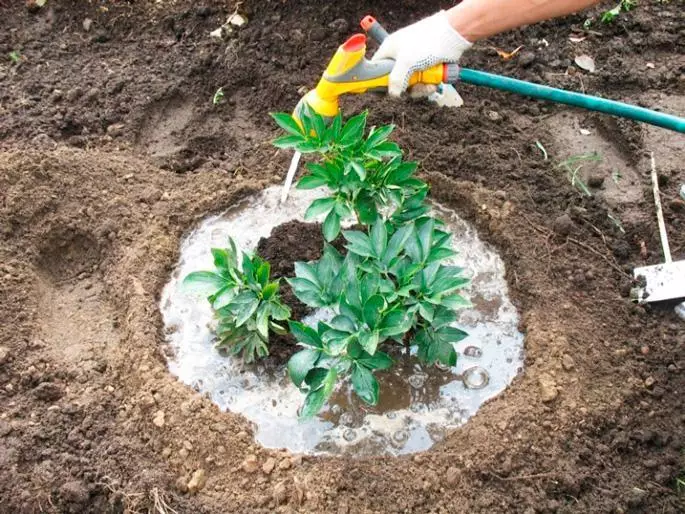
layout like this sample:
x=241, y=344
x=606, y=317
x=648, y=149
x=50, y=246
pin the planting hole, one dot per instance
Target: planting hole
x=418, y=403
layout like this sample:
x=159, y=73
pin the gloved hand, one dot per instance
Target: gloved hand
x=420, y=46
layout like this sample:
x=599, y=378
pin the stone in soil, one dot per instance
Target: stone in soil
x=197, y=481
x=548, y=388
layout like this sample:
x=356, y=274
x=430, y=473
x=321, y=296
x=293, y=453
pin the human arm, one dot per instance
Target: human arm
x=480, y=19
x=446, y=35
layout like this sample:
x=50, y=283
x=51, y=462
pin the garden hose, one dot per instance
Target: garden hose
x=453, y=73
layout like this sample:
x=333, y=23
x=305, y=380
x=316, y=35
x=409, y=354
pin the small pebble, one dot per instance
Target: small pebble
x=158, y=419
x=250, y=464
x=198, y=481
x=269, y=465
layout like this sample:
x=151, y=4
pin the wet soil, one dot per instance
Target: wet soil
x=111, y=149
x=289, y=243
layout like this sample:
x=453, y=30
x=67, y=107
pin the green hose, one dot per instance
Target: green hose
x=593, y=103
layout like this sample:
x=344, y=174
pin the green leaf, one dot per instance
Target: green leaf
x=427, y=311
x=223, y=296
x=221, y=259
x=378, y=360
x=369, y=341
x=425, y=237
x=443, y=317
x=269, y=290
x=331, y=226
x=316, y=398
x=369, y=286
x=455, y=301
x=205, y=277
x=306, y=271
x=365, y=385
x=385, y=150
x=286, y=142
x=394, y=323
x=439, y=254
x=320, y=206
x=263, y=272
x=365, y=205
x=451, y=334
x=262, y=321
x=349, y=310
x=359, y=243
x=305, y=335
x=333, y=132
x=353, y=130
x=401, y=173
x=358, y=169
x=310, y=182
x=243, y=306
x=278, y=311
x=373, y=311
x=378, y=135
x=300, y=364
x=287, y=123
x=379, y=238
x=396, y=243
x=344, y=324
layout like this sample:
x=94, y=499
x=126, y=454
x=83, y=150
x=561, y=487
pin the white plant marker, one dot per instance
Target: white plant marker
x=289, y=177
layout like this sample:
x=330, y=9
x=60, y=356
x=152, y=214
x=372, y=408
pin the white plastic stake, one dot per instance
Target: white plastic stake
x=289, y=177
x=660, y=215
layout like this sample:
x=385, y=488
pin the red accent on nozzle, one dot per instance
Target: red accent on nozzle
x=367, y=22
x=444, y=73
x=355, y=43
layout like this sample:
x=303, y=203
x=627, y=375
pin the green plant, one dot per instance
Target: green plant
x=623, y=6
x=245, y=301
x=15, y=56
x=573, y=165
x=391, y=286
x=365, y=174
x=218, y=96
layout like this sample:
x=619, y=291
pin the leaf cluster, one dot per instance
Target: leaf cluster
x=245, y=301
x=365, y=173
x=391, y=286
x=623, y=6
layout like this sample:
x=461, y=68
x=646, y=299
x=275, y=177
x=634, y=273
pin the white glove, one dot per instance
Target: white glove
x=420, y=46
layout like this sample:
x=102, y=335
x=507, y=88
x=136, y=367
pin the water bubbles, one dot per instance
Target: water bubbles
x=476, y=378
x=419, y=404
x=346, y=419
x=418, y=408
x=400, y=437
x=417, y=380
x=473, y=351
x=349, y=435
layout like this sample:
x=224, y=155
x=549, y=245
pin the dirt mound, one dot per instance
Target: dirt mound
x=98, y=129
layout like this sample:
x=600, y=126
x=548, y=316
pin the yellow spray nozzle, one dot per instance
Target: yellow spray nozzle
x=350, y=72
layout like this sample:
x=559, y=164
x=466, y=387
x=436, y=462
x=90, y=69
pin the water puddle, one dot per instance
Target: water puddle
x=418, y=404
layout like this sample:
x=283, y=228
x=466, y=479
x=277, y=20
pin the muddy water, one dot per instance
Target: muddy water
x=418, y=404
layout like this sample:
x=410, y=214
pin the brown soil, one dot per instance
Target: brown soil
x=98, y=131
x=288, y=243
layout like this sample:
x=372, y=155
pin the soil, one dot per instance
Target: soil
x=111, y=150
x=289, y=243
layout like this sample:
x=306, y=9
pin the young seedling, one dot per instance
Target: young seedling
x=218, y=96
x=15, y=56
x=391, y=287
x=573, y=165
x=623, y=6
x=245, y=301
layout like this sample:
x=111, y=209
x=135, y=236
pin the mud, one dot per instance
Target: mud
x=111, y=150
x=418, y=404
